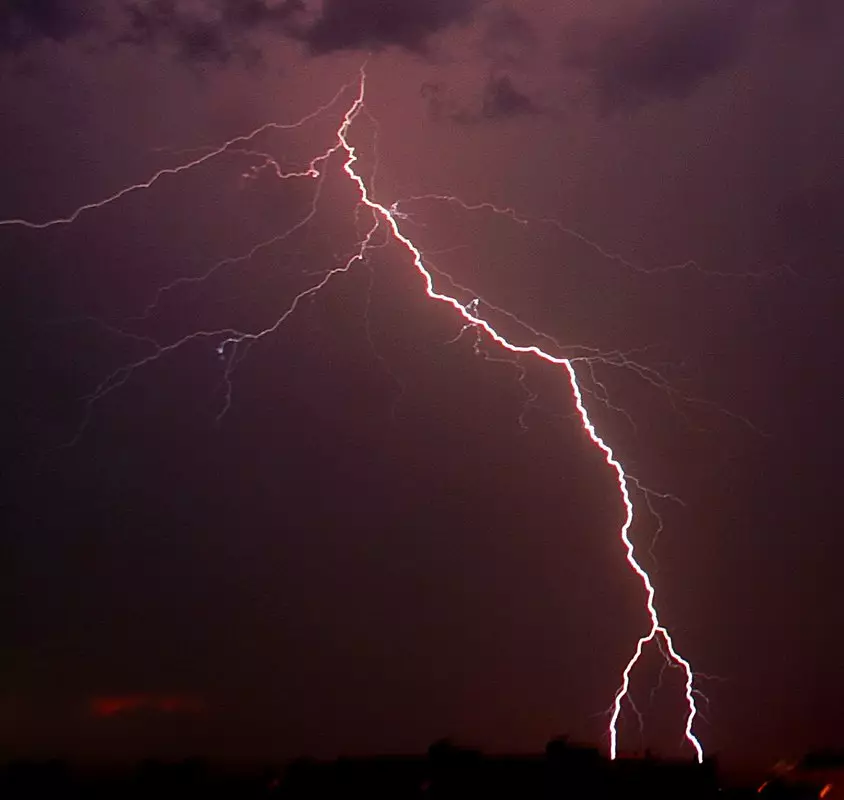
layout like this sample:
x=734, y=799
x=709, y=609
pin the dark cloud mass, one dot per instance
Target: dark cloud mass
x=353, y=24
x=509, y=39
x=216, y=36
x=503, y=99
x=222, y=32
x=500, y=100
x=665, y=53
x=219, y=30
x=24, y=22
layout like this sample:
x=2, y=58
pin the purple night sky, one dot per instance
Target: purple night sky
x=396, y=532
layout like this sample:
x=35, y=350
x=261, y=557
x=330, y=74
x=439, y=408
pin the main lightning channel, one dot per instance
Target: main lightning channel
x=470, y=315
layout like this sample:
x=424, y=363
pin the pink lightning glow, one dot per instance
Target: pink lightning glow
x=228, y=342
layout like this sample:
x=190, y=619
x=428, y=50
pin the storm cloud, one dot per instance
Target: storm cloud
x=503, y=100
x=374, y=24
x=219, y=30
x=25, y=22
x=665, y=53
x=509, y=39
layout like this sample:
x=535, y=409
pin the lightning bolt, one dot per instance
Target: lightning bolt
x=232, y=345
x=473, y=318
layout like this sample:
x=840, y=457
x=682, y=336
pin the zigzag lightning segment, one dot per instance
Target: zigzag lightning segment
x=657, y=629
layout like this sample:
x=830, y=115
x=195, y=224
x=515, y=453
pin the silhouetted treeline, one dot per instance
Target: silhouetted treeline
x=454, y=773
x=446, y=772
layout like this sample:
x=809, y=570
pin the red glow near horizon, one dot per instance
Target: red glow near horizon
x=106, y=706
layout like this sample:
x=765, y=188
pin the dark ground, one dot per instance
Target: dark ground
x=446, y=771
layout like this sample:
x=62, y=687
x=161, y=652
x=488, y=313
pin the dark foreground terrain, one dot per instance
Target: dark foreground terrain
x=446, y=771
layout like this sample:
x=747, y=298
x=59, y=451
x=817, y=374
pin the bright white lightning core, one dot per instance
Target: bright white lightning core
x=228, y=341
